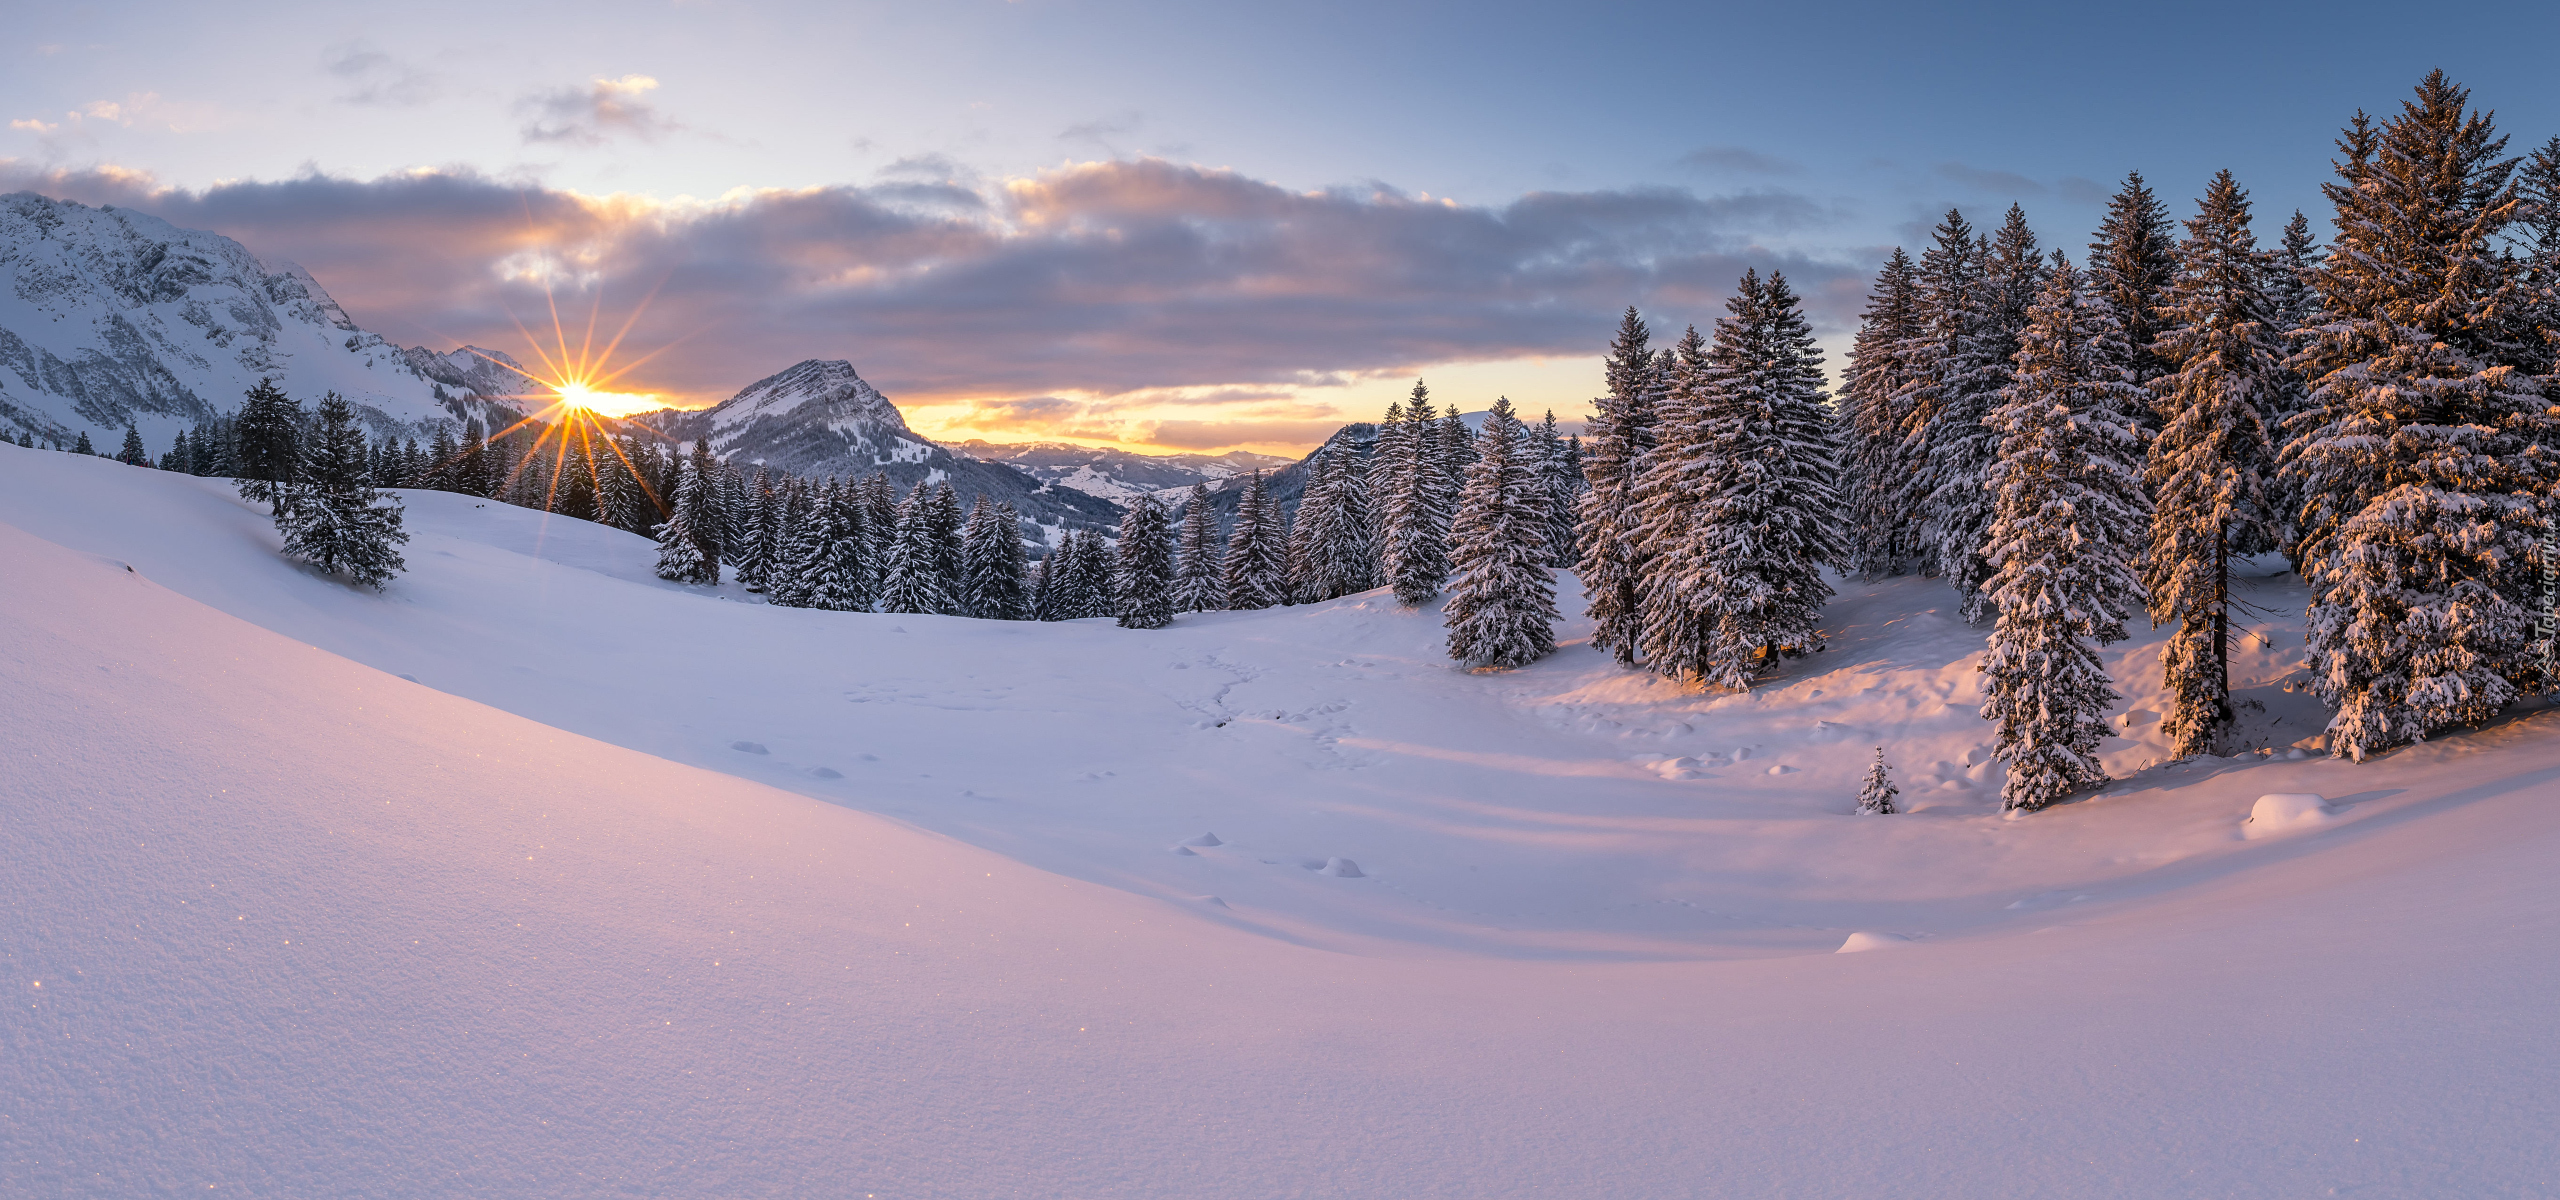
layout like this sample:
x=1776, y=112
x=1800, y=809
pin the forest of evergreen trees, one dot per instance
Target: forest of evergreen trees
x=2064, y=443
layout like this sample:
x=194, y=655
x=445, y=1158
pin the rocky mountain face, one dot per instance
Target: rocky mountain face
x=1118, y=475
x=111, y=318
x=820, y=418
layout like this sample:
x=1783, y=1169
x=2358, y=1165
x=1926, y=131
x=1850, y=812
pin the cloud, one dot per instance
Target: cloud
x=590, y=116
x=1738, y=160
x=1132, y=285
x=2081, y=191
x=34, y=126
x=2003, y=183
x=1101, y=134
x=380, y=80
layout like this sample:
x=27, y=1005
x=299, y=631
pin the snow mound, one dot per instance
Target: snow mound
x=1341, y=868
x=2284, y=812
x=1871, y=940
x=1206, y=839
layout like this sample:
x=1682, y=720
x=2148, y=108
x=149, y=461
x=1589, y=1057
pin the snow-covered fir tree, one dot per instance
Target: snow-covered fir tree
x=1962, y=365
x=1414, y=504
x=2130, y=265
x=1560, y=470
x=1257, y=550
x=800, y=542
x=1875, y=796
x=1771, y=520
x=1672, y=487
x=2537, y=316
x=2066, y=524
x=267, y=453
x=1387, y=459
x=1873, y=430
x=2424, y=460
x=913, y=582
x=837, y=578
x=1199, y=582
x=2295, y=305
x=991, y=564
x=177, y=459
x=1620, y=433
x=682, y=557
x=1334, y=554
x=1095, y=566
x=1502, y=602
x=944, y=519
x=1142, y=578
x=2213, y=452
x=132, y=453
x=336, y=522
x=755, y=550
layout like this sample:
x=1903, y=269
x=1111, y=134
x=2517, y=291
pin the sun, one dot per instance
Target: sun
x=585, y=396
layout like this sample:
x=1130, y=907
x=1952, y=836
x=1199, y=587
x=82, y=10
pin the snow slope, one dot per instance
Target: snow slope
x=534, y=924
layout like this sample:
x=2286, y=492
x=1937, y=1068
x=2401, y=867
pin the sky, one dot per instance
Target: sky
x=1176, y=227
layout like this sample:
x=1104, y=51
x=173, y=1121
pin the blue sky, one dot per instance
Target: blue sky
x=1178, y=226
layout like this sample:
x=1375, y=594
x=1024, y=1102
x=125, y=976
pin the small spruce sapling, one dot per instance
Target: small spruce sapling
x=1875, y=797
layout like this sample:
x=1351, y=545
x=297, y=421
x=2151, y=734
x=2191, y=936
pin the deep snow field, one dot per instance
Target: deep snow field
x=536, y=875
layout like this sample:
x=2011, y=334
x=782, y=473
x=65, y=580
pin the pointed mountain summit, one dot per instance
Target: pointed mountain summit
x=821, y=418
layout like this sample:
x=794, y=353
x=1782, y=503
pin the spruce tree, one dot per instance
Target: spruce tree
x=2130, y=266
x=1415, y=507
x=2423, y=461
x=1560, y=469
x=1670, y=493
x=681, y=554
x=1875, y=796
x=1502, y=606
x=2208, y=464
x=1257, y=563
x=1199, y=583
x=992, y=560
x=1143, y=578
x=799, y=542
x=269, y=454
x=755, y=550
x=444, y=461
x=336, y=521
x=943, y=520
x=1873, y=428
x=573, y=493
x=132, y=453
x=1095, y=566
x=2066, y=520
x=177, y=459
x=1962, y=369
x=1388, y=459
x=83, y=447
x=1621, y=432
x=1340, y=557
x=835, y=577
x=913, y=581
x=1050, y=580
x=2295, y=304
x=1771, y=518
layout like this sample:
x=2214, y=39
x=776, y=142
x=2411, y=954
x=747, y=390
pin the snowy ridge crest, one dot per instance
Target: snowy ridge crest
x=111, y=318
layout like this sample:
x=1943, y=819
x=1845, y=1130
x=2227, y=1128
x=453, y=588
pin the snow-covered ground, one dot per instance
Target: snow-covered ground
x=538, y=876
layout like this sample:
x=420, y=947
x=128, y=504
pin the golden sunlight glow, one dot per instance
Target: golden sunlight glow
x=582, y=395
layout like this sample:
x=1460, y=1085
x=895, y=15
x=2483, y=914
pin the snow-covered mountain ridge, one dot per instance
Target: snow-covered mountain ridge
x=110, y=317
x=1118, y=475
